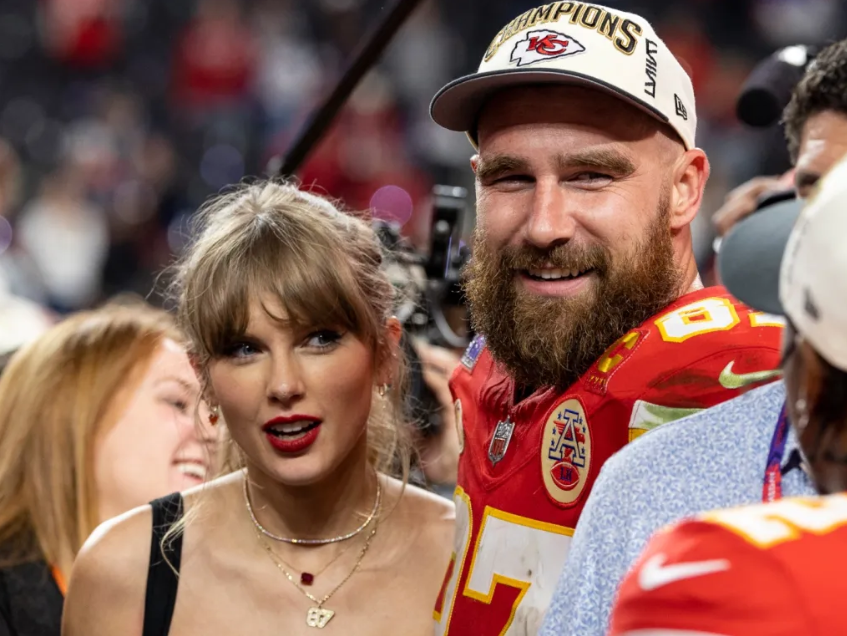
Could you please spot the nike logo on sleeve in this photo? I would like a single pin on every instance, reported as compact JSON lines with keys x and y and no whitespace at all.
{"x":730,"y":380}
{"x":655,"y":574}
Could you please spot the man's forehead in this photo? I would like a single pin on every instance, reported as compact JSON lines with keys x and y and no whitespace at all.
{"x":566,"y":107}
{"x":823,"y":143}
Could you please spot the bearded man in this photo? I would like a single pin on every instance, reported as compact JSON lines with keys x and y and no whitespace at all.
{"x":594,"y":325}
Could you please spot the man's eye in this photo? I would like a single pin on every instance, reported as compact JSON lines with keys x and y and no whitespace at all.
{"x":510,"y":180}
{"x":591,"y":176}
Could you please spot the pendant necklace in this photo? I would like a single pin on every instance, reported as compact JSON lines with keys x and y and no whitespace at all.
{"x":307,"y":578}
{"x":318,"y":616}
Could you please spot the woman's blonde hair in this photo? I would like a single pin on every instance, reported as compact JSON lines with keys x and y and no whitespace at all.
{"x":57,"y":395}
{"x":323,"y":265}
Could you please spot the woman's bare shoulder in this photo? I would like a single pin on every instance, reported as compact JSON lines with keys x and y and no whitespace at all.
{"x":118,"y":544}
{"x":421,"y":508}
{"x":109,"y":577}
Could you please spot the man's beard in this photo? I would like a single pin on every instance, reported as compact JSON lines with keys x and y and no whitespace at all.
{"x":550,"y":341}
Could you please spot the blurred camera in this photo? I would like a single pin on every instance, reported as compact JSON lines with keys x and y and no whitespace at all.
{"x":768,"y":89}
{"x":429,"y":292}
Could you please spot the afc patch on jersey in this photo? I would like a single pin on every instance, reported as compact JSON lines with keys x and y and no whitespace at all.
{"x":566,"y":452}
{"x":471,"y":354}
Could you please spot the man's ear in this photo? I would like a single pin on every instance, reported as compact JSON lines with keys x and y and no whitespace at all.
{"x":474,"y":163}
{"x":690,"y":174}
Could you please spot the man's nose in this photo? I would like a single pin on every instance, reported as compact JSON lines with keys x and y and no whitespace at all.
{"x":551,"y":221}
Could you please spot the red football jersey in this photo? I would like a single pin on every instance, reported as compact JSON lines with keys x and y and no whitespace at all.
{"x":526,"y":469}
{"x":767,"y":570}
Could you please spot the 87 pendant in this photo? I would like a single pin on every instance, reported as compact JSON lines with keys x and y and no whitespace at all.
{"x":318,"y":617}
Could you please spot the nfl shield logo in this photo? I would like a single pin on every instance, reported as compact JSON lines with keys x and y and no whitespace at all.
{"x":500,"y":441}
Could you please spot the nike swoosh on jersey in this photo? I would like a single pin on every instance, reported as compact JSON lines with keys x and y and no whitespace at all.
{"x":730,"y":380}
{"x":655,"y":574}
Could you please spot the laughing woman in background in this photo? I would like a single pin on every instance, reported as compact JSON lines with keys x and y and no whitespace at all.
{"x":290,"y":318}
{"x":97,"y":416}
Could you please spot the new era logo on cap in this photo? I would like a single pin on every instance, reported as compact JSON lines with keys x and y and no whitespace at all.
{"x":539,"y":46}
{"x":680,"y":107}
{"x":576,"y":43}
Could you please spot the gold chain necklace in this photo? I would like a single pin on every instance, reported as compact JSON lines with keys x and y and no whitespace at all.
{"x":318,"y":616}
{"x":307,"y":578}
{"x":294,"y":541}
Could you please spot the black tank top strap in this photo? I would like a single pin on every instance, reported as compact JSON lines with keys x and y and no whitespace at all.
{"x":162,"y":581}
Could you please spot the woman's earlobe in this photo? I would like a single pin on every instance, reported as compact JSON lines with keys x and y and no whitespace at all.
{"x":395,"y":330}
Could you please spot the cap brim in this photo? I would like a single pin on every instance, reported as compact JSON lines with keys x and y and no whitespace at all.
{"x":457,"y":105}
{"x":750,"y":256}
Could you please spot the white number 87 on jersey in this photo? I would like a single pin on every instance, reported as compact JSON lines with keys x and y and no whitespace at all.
{"x":509,"y":551}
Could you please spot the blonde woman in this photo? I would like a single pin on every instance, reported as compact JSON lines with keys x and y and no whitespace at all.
{"x":97,"y":416}
{"x":289,"y":315}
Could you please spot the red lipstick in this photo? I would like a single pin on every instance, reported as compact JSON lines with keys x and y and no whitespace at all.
{"x":292,"y":442}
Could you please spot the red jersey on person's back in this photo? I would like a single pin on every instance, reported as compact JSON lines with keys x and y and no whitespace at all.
{"x":526,"y":469}
{"x":767,"y":570}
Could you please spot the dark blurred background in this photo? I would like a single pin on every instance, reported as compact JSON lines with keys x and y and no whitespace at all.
{"x":119,"y":117}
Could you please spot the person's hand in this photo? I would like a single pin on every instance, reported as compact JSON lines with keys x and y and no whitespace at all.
{"x":440,"y":454}
{"x":743,"y":200}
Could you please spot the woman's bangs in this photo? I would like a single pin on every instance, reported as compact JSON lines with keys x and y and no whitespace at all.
{"x":221,"y":307}
{"x":311,"y":288}
{"x":314,"y":287}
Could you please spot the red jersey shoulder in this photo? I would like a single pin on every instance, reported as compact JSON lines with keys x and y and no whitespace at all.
{"x":787,"y":526}
{"x":702,"y":577}
{"x":702,"y":350}
{"x":475,"y":370}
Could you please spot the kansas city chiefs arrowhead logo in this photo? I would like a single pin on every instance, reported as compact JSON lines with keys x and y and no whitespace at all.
{"x":544,"y":45}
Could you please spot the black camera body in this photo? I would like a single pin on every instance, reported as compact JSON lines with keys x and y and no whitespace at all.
{"x":428,"y":287}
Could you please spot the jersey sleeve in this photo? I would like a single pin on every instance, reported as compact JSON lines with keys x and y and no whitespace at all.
{"x":699,"y":578}
{"x":696,"y":357}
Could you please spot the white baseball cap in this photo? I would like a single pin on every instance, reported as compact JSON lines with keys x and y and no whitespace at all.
{"x":813,"y":276}
{"x":580,"y":44}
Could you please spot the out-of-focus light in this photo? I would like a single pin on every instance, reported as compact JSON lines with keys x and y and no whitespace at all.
{"x":5,"y":234}
{"x":393,"y":204}
{"x":794,"y":55}
{"x":221,"y":165}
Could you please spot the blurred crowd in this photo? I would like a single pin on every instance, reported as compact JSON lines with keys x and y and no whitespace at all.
{"x":119,"y":117}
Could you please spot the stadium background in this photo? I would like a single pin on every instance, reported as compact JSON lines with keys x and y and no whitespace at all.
{"x":119,"y":117}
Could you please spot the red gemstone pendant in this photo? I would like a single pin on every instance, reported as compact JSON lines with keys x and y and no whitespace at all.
{"x":306,"y":578}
